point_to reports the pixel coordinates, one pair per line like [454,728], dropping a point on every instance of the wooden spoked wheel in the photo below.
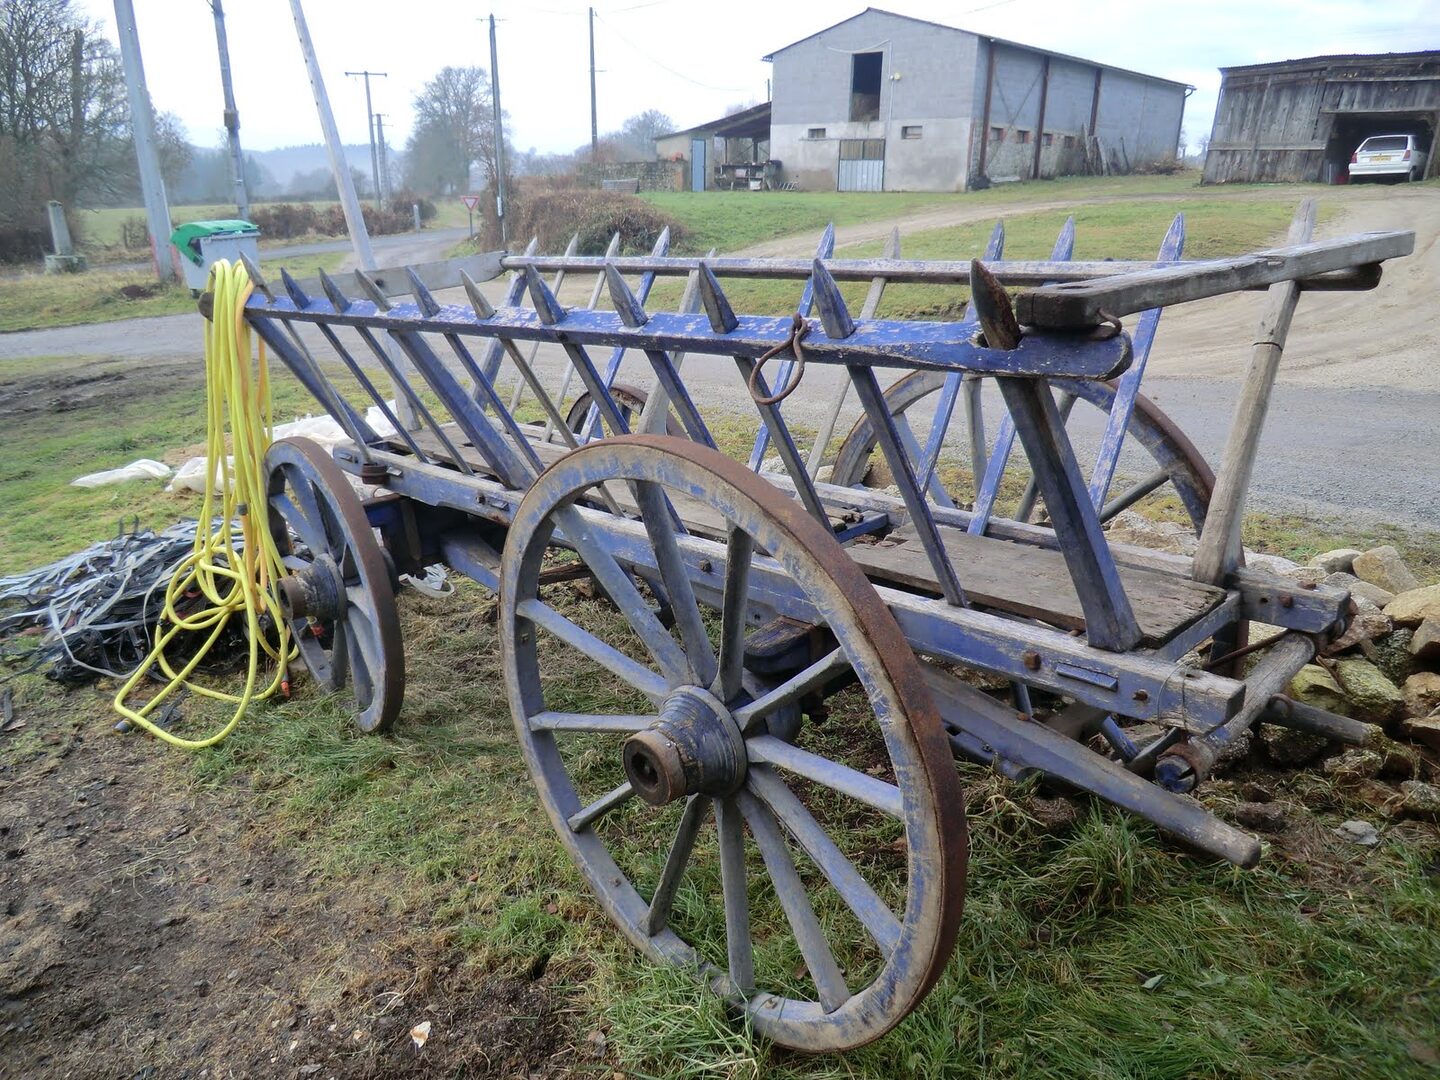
[338,595]
[824,902]
[630,400]
[1183,467]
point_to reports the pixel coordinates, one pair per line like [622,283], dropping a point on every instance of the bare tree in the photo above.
[638,133]
[454,131]
[63,114]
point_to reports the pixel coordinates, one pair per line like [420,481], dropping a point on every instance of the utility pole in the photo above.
[594,127]
[384,160]
[142,120]
[499,138]
[349,201]
[232,114]
[370,129]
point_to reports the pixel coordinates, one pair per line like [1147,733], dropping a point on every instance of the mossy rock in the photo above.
[1372,696]
[1313,685]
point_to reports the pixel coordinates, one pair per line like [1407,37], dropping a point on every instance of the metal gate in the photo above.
[862,165]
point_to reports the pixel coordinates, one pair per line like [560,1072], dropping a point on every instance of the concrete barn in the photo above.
[886,102]
[1300,120]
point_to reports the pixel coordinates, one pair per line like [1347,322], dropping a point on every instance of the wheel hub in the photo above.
[316,592]
[695,747]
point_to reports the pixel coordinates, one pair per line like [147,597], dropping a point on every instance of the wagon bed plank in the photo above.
[1035,582]
[1018,578]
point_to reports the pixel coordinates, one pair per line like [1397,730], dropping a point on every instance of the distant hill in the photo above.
[287,162]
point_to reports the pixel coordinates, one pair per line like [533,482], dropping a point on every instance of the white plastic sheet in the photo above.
[144,469]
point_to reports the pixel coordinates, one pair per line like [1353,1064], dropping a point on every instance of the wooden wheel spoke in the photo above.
[588,815]
[349,564]
[616,723]
[663,899]
[618,586]
[739,951]
[1134,494]
[831,774]
[792,689]
[739,548]
[336,665]
[613,660]
[311,531]
[877,918]
[809,935]
[360,650]
[657,515]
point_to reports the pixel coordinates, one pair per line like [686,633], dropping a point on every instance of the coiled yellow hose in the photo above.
[233,582]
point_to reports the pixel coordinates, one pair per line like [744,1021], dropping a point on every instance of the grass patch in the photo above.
[1215,226]
[36,301]
[731,220]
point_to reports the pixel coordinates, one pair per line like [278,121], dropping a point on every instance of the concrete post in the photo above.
[59,230]
[64,261]
[157,211]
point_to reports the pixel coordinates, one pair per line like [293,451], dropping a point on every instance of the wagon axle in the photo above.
[694,748]
[314,592]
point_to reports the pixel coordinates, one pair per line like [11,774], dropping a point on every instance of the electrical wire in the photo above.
[664,67]
[235,575]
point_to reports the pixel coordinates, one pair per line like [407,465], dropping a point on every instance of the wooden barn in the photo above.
[1300,120]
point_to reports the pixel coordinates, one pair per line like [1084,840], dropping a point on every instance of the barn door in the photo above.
[862,165]
[697,164]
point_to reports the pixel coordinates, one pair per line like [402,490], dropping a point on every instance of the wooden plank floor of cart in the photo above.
[1002,575]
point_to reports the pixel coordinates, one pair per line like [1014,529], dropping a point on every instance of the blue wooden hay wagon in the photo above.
[797,659]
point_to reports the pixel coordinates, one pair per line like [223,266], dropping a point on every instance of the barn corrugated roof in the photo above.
[1340,58]
[769,57]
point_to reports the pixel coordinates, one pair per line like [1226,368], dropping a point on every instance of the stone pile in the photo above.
[1385,670]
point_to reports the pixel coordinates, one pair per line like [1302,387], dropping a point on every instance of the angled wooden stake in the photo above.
[1220,548]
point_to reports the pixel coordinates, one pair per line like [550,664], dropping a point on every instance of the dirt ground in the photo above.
[147,936]
[152,929]
[39,389]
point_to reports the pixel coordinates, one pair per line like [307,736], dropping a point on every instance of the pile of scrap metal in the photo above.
[93,614]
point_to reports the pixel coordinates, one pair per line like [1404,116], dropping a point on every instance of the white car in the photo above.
[1388,155]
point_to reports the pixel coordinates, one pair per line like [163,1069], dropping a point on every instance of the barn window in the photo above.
[1022,136]
[997,134]
[1048,139]
[815,133]
[910,131]
[865,71]
[1069,142]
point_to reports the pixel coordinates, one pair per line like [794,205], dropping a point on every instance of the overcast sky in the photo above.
[688,59]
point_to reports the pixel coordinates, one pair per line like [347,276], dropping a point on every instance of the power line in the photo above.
[666,68]
[986,7]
